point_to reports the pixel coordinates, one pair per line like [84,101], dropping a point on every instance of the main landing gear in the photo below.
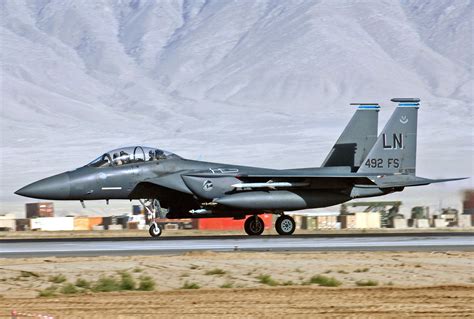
[284,225]
[254,226]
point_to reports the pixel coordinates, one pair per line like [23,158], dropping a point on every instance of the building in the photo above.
[41,209]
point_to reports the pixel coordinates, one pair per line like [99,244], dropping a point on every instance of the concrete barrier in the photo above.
[115,227]
[400,223]
[439,223]
[464,221]
[422,223]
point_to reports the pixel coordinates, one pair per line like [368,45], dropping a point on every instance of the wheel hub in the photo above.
[255,226]
[286,225]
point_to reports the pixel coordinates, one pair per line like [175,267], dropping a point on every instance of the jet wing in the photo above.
[287,178]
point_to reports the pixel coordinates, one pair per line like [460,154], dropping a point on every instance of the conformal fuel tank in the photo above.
[282,200]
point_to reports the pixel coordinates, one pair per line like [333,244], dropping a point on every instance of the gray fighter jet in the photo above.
[359,165]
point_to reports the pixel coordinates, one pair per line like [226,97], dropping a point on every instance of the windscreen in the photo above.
[128,155]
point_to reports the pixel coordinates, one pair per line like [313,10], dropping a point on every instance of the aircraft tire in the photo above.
[254,226]
[285,225]
[155,230]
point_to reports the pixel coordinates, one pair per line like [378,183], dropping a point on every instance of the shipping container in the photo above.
[171,227]
[298,220]
[365,220]
[229,223]
[81,223]
[7,222]
[94,221]
[122,220]
[22,224]
[52,223]
[326,222]
[132,225]
[139,220]
[348,221]
[106,221]
[184,223]
[137,209]
[304,222]
[468,203]
[42,209]
[310,222]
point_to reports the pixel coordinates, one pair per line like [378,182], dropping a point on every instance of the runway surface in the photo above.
[167,245]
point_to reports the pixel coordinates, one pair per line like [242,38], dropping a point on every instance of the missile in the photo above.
[269,185]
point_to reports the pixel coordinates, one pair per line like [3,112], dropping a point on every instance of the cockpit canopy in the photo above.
[129,155]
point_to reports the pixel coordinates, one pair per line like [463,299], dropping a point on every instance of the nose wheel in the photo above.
[155,230]
[153,207]
[285,225]
[254,226]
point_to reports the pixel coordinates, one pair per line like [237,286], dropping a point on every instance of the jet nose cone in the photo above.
[54,187]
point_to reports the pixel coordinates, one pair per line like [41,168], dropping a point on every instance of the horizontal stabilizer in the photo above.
[409,180]
[433,181]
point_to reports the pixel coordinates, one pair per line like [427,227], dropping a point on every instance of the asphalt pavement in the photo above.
[171,245]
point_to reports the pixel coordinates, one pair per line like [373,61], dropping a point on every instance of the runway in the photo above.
[170,245]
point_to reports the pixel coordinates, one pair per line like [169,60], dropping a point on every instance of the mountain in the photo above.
[252,82]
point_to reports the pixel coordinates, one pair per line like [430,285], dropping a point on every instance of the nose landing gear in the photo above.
[153,208]
[155,230]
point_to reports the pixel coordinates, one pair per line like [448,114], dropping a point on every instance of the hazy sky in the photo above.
[264,83]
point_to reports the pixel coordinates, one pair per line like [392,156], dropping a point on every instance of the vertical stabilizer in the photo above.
[395,149]
[357,139]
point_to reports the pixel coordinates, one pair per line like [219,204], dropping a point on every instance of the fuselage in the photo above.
[171,181]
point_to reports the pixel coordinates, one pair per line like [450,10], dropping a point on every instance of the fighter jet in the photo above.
[359,165]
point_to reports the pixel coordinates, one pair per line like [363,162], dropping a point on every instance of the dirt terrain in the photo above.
[247,285]
[281,302]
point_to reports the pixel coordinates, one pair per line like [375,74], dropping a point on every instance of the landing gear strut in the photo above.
[254,226]
[285,225]
[153,208]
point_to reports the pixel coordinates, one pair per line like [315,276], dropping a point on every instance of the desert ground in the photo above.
[244,285]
